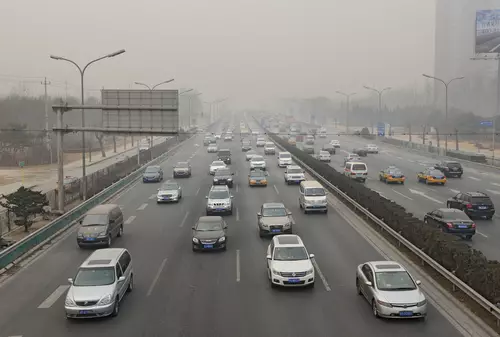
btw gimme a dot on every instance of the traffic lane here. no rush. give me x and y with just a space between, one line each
33 284
339 249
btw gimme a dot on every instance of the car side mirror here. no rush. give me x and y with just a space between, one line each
418 282
288 213
121 279
158 189
268 257
206 197
259 214
81 221
311 256
193 228
368 283
232 197
70 280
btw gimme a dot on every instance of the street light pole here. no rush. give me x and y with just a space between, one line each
446 85
379 92
190 108
348 98
154 86
82 73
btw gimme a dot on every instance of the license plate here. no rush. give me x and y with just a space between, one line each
275 230
406 313
90 239
166 198
297 181
208 246
482 207
219 209
85 312
293 280
462 226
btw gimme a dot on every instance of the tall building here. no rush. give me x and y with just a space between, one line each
454 48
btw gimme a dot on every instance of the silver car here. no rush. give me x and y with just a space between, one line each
391 290
257 162
170 191
100 284
274 218
217 164
219 201
182 169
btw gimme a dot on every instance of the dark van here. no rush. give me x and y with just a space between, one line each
224 155
100 226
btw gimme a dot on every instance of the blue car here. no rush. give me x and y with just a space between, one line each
152 174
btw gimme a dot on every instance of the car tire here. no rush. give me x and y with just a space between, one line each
130 287
225 248
80 246
208 213
116 308
120 231
311 285
468 237
358 287
374 309
109 242
448 205
489 217
326 211
230 212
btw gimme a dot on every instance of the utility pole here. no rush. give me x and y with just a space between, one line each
456 139
409 133
423 134
47 136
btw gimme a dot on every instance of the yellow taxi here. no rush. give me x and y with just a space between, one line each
292 141
431 176
257 178
392 175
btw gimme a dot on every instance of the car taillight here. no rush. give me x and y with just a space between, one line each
389 176
353 174
365 174
473 225
449 224
469 206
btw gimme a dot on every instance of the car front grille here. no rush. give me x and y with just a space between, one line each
166 195
218 204
293 274
86 303
208 242
403 305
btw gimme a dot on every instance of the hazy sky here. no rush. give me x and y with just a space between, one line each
245 50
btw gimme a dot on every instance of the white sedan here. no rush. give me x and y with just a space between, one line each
335 143
257 162
217 164
371 148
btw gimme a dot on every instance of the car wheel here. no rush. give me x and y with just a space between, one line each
230 212
358 287
326 211
80 246
402 183
311 285
120 231
116 308
448 205
194 249
131 284
208 213
108 243
374 309
468 237
225 248
272 284
489 217
426 182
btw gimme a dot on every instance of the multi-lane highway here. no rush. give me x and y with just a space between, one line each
181 293
419 198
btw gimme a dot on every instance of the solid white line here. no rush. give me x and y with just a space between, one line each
157 276
493 192
321 276
276 189
153 196
401 194
184 219
478 232
49 301
411 161
238 274
474 178
197 191
400 158
496 184
237 214
236 188
142 207
17 336
454 191
129 220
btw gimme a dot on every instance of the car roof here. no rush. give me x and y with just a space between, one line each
219 188
213 218
273 205
324 152
154 166
102 209
218 161
107 257
311 183
295 167
382 266
224 150
284 152
287 240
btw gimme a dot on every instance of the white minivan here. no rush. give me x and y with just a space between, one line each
356 170
312 197
284 159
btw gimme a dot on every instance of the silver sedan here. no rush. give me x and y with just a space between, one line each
391 290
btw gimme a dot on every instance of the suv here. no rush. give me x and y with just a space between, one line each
294 174
450 168
100 284
474 204
219 201
284 159
223 176
269 148
261 141
224 155
289 263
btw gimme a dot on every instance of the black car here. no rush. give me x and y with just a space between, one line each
450 168
246 146
209 233
224 155
453 221
360 152
329 148
223 177
152 174
474 204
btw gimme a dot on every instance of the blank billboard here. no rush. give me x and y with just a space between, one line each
153 120
487 31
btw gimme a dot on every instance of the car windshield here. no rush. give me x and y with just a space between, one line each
151 169
294 170
208 226
359 167
371 145
223 172
182 164
95 219
455 216
218 195
274 211
92 277
285 156
316 191
169 186
394 280
257 158
218 163
290 254
395 172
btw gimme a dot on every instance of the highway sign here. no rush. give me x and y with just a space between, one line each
486 123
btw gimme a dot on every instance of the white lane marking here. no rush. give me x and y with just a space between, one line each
478 232
49 301
401 194
153 196
122 207
236 173
142 207
238 274
493 192
276 189
129 220
425 196
411 161
321 276
17 336
474 178
380 193
157 276
197 191
184 219
399 158
496 184
237 214
236 188
454 191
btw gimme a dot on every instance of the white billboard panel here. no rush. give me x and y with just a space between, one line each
487 31
155 120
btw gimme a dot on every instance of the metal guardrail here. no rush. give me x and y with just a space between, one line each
455 281
12 253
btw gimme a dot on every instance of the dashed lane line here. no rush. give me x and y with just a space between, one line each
152 196
321 276
401 194
197 191
49 301
484 235
276 189
238 272
142 207
184 219
474 178
237 214
157 277
129 220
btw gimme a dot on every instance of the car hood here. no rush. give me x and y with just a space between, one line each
292 266
181 169
260 162
152 174
168 192
89 293
401 297
275 220
92 229
213 167
221 177
208 235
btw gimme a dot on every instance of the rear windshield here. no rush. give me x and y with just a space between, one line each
454 165
455 216
359 167
224 153
481 200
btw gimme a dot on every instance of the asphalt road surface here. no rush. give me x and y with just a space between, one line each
181 293
419 198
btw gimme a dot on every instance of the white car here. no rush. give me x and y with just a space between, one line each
284 159
269 148
228 138
257 162
288 262
260 142
218 136
212 148
294 174
335 143
217 164
250 154
371 148
325 156
255 133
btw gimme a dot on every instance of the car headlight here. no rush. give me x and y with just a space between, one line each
229 179
310 271
216 180
287 225
80 235
222 239
422 303
69 302
102 234
275 272
105 300
195 240
384 304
